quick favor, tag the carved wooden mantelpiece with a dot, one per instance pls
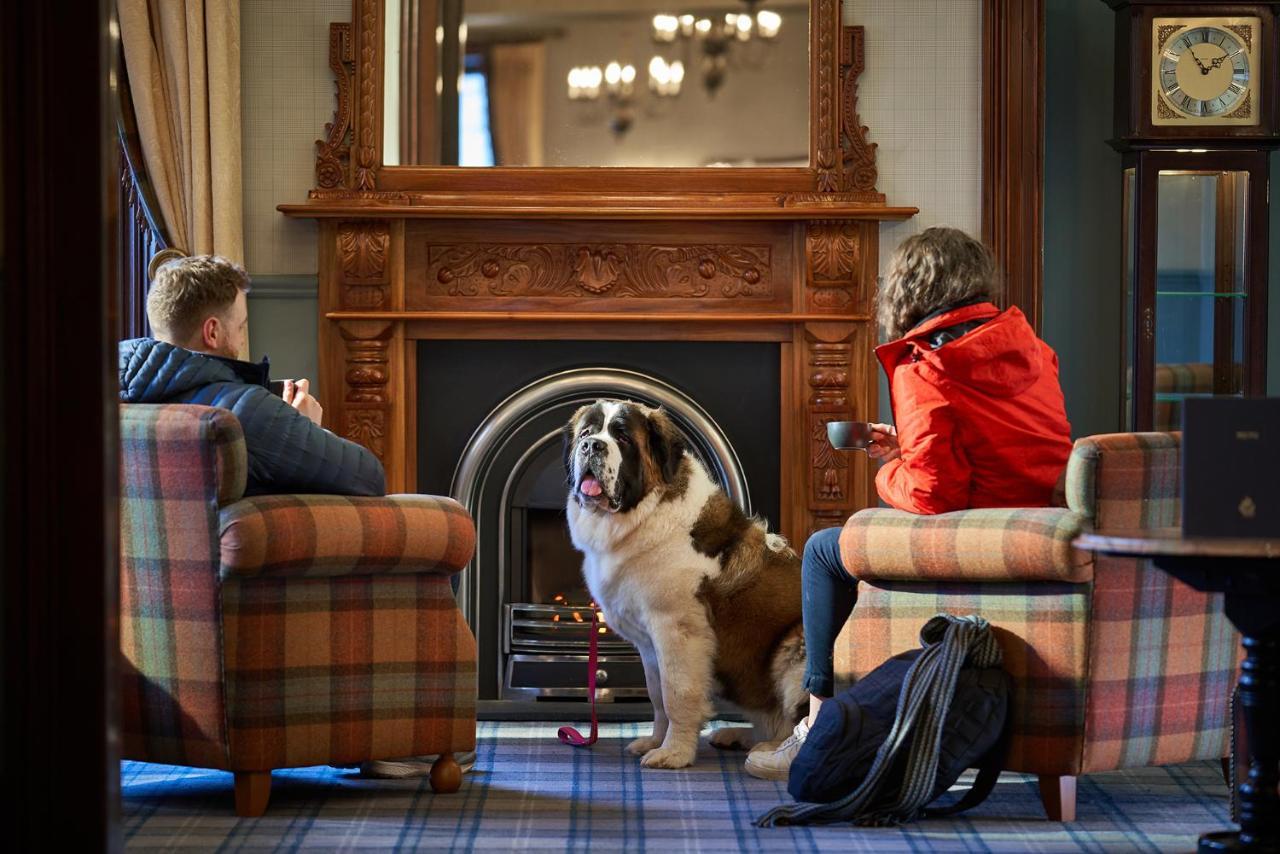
(637, 270)
(781, 255)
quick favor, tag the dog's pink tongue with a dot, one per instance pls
(590, 486)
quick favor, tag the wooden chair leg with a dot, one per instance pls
(446, 775)
(1058, 794)
(253, 790)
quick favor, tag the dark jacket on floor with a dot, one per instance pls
(287, 451)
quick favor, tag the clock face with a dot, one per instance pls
(1204, 71)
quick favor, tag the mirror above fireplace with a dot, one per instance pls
(631, 83)
(729, 108)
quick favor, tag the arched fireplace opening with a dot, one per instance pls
(523, 593)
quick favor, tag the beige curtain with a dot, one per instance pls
(183, 61)
(516, 102)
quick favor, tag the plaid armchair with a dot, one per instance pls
(1115, 664)
(282, 630)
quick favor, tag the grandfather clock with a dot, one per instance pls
(1196, 120)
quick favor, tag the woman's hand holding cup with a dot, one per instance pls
(884, 443)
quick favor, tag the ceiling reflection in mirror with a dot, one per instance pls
(639, 83)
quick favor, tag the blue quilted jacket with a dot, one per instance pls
(287, 451)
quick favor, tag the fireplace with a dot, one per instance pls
(523, 594)
(415, 260)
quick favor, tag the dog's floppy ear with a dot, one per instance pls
(570, 434)
(665, 444)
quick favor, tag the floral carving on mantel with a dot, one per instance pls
(828, 463)
(367, 427)
(364, 252)
(833, 255)
(640, 271)
(362, 257)
(598, 269)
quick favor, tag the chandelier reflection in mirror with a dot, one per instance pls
(748, 33)
(616, 83)
(742, 36)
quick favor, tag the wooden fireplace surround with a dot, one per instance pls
(788, 255)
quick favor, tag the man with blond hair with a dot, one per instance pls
(199, 317)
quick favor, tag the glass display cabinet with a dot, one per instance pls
(1195, 280)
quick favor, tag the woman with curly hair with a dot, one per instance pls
(979, 422)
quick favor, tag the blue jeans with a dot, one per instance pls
(829, 592)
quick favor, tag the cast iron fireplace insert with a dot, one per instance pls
(490, 425)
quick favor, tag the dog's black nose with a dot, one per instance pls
(592, 446)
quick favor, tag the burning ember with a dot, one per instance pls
(561, 600)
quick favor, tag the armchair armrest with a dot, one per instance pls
(1004, 544)
(329, 535)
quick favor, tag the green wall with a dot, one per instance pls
(282, 325)
(1082, 251)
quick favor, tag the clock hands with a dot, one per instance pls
(1217, 63)
(1204, 69)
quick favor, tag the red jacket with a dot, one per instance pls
(981, 420)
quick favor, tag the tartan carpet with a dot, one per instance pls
(530, 792)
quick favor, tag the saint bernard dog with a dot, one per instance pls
(709, 598)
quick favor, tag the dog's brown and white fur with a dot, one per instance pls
(709, 597)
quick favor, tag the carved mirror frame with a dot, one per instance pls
(842, 167)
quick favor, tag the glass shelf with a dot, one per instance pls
(1179, 396)
(1215, 294)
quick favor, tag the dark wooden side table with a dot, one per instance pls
(1248, 573)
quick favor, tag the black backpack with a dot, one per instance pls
(901, 737)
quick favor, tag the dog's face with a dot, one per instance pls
(617, 452)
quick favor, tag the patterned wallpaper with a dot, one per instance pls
(921, 96)
(287, 97)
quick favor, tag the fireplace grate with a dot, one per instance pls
(547, 650)
(559, 628)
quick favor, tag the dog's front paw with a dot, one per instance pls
(669, 757)
(732, 738)
(641, 746)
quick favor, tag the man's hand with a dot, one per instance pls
(884, 443)
(297, 394)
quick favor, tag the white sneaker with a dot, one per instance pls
(414, 766)
(770, 762)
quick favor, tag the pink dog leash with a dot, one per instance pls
(567, 734)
